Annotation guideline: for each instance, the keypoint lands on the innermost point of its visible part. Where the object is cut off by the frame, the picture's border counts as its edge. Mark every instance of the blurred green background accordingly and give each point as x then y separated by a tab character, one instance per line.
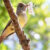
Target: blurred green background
37	28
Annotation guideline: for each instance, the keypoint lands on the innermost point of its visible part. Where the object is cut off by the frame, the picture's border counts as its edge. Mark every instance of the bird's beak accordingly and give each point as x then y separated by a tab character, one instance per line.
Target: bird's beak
27	5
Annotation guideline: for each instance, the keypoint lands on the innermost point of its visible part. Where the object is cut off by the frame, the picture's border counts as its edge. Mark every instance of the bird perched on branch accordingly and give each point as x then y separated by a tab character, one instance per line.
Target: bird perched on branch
22	17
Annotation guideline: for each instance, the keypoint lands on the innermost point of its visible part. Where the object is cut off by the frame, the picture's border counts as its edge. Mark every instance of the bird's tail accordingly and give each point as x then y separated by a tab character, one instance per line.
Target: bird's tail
1	39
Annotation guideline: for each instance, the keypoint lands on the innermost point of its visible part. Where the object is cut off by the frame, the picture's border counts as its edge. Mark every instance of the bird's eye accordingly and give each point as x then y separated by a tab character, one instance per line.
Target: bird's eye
21	6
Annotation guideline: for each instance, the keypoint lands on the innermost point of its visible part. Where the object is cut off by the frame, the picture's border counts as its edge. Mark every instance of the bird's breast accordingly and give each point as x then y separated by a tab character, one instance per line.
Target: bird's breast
22	20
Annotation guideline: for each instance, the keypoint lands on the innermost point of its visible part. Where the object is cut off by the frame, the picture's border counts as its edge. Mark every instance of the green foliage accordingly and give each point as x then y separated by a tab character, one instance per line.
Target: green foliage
36	24
3	47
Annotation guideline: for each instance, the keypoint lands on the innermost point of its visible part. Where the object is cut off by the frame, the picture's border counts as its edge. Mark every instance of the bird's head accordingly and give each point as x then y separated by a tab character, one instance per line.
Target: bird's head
22	7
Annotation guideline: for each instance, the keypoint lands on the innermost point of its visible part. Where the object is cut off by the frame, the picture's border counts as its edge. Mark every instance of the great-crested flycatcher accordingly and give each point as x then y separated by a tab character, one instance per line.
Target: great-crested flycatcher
22	17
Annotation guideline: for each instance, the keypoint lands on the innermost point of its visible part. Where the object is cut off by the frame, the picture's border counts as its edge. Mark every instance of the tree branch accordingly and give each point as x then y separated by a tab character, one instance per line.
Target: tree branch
22	38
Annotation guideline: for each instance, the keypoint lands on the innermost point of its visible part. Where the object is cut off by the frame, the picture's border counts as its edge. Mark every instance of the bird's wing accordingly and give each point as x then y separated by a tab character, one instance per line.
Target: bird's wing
9	29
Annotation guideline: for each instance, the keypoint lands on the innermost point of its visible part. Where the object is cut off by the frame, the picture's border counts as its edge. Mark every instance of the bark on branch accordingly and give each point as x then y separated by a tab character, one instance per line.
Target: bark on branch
22	38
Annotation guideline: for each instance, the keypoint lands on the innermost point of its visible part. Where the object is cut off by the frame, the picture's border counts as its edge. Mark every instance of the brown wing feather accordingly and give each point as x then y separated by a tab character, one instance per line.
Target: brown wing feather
7	25
9	29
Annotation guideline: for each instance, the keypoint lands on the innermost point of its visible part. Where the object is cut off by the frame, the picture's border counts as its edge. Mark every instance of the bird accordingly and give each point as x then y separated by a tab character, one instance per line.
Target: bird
22	17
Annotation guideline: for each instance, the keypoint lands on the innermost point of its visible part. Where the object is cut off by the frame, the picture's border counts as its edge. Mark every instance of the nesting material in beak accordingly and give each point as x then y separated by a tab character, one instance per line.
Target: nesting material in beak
30	8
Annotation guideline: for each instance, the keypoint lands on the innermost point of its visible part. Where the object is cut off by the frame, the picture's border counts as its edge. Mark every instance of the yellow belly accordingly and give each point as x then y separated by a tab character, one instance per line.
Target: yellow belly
22	21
